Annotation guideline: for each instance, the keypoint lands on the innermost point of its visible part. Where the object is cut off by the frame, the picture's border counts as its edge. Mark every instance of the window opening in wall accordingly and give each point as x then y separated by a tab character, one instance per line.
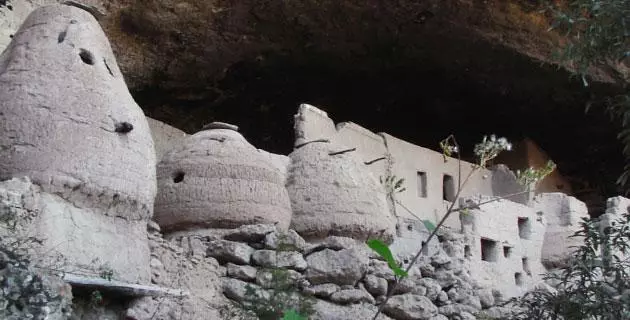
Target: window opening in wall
489	250
422	184
467	253
518	279
526	266
507	251
448	188
524	228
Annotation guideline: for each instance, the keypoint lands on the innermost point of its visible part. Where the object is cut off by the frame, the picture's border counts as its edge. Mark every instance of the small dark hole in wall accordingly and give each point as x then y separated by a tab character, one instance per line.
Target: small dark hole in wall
178	176
525	262
61	37
11	36
409	227
86	56
467	253
123	127
518	279
10	7
507	252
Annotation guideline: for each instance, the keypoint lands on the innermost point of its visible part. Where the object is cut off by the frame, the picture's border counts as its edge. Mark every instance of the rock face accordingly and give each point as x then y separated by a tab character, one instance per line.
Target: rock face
332	193
69	123
67	119
216	179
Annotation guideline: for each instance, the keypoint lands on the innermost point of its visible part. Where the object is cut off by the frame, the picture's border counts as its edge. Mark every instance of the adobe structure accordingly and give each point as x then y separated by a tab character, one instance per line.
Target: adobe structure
78	164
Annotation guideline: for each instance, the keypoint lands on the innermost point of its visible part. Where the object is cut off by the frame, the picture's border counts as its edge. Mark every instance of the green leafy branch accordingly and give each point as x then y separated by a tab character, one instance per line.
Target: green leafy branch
532	176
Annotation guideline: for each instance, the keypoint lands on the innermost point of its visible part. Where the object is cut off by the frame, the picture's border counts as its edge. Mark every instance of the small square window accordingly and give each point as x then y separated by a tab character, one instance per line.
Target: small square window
489	250
422	184
448	188
518	279
524	228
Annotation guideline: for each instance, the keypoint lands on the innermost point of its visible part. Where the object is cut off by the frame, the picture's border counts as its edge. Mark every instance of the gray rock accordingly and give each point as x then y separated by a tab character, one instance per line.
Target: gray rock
324	310
237	290
427	270
410	307
246	273
322	290
433	287
283	241
486	298
464	316
419	290
439	317
442	298
445	278
375	285
265	258
291	259
341	267
441	260
153	227
380	269
405	285
496	313
281	259
250	233
352	296
451	310
230	251
277	278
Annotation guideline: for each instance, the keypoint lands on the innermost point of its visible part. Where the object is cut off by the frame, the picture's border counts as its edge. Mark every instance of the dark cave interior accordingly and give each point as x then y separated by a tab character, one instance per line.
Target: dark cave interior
417	98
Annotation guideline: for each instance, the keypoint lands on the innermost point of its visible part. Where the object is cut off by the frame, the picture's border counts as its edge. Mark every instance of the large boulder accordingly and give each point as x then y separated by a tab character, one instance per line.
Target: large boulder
216	179
333	193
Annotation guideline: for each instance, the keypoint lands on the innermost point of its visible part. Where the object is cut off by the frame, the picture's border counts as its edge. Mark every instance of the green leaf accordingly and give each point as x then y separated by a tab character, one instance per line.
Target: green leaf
429	225
293	315
381	248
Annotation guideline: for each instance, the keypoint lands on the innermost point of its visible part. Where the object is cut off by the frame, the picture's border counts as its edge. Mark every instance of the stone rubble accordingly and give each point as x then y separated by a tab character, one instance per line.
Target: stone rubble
338	274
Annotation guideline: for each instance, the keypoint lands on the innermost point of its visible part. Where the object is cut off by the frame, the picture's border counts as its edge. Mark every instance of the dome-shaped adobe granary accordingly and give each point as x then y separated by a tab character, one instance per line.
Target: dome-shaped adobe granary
333	193
216	179
67	119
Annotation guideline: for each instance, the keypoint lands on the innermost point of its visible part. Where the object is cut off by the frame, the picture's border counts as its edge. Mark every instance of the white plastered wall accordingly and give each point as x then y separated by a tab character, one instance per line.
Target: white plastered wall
499	222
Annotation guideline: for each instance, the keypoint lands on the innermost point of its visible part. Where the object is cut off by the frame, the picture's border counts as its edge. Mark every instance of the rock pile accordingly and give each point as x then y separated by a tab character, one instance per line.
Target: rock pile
341	277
